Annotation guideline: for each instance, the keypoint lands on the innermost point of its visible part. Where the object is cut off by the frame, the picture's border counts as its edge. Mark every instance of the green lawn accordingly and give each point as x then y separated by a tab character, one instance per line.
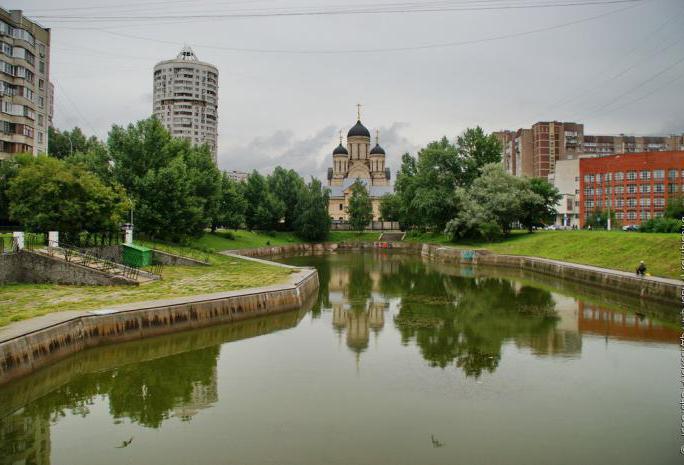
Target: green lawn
609	249
230	240
21	301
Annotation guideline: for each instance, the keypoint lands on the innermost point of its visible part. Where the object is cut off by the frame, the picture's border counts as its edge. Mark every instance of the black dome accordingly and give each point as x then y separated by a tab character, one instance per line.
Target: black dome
377	150
340	150
358	130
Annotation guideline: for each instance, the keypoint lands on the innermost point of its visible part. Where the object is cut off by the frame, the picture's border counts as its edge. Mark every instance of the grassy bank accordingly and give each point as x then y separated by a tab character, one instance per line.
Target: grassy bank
21	301
609	249
231	240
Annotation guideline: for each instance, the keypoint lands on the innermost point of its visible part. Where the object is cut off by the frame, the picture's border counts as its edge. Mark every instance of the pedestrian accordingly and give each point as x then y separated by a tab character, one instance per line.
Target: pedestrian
641	269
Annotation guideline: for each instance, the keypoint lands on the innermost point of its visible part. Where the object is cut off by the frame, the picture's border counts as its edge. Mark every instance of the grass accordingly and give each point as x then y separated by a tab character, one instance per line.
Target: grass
21	301
609	249
231	240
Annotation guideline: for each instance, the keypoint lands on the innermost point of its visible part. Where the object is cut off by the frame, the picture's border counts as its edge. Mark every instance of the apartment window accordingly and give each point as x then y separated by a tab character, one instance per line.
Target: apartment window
619	190
645	174
619	203
631	215
631	188
608	177
645	215
672	174
619	176
41	84
40	137
671	188
645	188
589	204
631	175
599	191
659	188
631	202
658	214
588	178
608	190
598	178
645	201
658	174
619	215
659	202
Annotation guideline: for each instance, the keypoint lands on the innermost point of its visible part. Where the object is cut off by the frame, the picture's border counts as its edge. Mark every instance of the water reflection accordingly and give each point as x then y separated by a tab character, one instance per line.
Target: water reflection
457	316
146	382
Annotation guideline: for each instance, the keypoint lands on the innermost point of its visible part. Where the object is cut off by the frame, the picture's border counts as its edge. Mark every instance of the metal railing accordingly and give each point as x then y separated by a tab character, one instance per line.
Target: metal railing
74	255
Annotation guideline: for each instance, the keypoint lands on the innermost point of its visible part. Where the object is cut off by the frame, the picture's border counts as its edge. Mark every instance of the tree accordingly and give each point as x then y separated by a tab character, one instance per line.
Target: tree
476	149
286	186
538	202
490	207
8	170
145	157
230	211
675	207
390	207
264	210
312	222
598	219
49	195
360	209
96	161
62	144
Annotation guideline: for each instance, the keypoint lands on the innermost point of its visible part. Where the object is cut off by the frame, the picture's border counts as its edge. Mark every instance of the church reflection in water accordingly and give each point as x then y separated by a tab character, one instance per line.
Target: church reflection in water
456	317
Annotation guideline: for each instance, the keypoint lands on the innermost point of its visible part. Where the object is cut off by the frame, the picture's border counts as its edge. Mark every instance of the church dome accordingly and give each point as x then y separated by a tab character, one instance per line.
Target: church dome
358	130
340	150
377	150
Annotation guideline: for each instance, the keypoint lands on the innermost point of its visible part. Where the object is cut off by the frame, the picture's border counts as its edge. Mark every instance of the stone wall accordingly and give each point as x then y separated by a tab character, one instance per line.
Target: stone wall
28	345
10	268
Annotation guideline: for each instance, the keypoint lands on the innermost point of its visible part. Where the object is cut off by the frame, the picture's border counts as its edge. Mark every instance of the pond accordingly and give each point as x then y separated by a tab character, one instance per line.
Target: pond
400	361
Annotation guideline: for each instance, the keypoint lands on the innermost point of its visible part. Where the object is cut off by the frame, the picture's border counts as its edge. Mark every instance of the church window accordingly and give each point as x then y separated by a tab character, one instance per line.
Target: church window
341	207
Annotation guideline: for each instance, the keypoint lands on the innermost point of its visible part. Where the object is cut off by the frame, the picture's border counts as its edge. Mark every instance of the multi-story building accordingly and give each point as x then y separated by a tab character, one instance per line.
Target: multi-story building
25	89
635	186
566	180
237	176
553	141
186	98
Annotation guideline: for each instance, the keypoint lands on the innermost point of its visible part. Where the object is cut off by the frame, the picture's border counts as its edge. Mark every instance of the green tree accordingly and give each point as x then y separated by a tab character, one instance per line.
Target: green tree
96	161
50	195
490	207
360	209
312	222
675	207
476	149
62	144
264	210
8	170
230	212
390	207
598	219
538	202
286	186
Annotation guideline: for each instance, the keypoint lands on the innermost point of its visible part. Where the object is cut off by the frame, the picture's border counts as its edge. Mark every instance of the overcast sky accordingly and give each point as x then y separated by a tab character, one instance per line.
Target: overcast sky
288	83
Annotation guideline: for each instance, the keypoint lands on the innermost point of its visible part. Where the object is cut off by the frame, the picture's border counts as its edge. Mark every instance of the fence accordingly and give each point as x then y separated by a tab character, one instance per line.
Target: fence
73	254
372	226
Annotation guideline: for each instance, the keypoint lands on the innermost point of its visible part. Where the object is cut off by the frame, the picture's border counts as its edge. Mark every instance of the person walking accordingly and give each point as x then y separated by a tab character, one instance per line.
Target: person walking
641	269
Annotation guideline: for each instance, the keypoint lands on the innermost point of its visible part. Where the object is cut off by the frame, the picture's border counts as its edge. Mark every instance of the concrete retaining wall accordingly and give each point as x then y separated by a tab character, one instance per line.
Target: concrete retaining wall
662	290
29	345
170	259
10	268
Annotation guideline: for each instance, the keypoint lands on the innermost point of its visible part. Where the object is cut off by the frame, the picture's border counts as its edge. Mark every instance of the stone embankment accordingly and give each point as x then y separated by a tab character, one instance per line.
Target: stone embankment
28	345
662	290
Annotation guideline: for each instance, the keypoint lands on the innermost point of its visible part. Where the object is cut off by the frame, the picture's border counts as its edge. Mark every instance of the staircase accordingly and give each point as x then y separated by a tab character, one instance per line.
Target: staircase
392	236
75	257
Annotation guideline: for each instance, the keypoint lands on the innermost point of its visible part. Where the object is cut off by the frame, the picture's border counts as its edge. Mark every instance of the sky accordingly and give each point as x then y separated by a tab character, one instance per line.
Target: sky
292	71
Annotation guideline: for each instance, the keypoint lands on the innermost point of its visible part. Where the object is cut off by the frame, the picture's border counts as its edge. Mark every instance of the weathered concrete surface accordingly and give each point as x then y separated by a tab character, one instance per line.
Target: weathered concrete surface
663	290
170	259
35	267
28	345
10	268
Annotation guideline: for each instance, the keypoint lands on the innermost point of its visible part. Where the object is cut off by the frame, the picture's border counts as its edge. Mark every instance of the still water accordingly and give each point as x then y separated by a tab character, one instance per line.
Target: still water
399	361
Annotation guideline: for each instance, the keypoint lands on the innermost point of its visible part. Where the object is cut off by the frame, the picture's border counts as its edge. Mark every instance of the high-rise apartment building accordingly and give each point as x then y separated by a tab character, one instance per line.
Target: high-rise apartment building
186	98
25	89
552	141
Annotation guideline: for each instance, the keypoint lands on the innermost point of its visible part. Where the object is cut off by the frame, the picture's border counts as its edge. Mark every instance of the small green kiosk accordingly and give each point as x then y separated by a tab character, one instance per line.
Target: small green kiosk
136	256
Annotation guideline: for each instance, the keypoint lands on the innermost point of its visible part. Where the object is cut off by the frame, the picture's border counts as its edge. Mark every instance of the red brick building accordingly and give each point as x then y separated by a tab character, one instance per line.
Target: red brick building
635	186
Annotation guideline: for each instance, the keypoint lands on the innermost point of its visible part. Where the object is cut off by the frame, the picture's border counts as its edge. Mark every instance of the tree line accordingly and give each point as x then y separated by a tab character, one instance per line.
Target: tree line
462	189
169	188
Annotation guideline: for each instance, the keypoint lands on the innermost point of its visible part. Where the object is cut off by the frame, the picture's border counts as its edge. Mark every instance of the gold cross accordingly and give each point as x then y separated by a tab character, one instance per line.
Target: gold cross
358	111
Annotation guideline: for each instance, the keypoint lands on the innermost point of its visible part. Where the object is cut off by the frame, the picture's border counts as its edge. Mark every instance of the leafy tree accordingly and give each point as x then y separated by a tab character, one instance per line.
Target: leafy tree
675	207
598	219
264	210
539	199
62	144
360	209
48	194
176	187
312	222
96	161
286	186
390	207
490	207
476	149
230	211
8	170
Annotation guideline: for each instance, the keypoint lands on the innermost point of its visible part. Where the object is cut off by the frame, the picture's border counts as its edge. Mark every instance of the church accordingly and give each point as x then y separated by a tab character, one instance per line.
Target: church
357	161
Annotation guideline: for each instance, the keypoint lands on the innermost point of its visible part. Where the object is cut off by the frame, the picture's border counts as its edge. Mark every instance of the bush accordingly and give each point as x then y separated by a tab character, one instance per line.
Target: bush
661	225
